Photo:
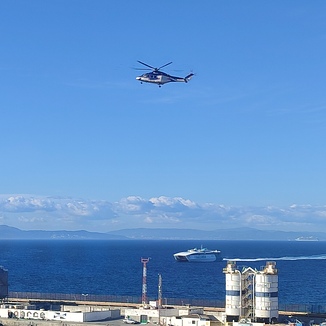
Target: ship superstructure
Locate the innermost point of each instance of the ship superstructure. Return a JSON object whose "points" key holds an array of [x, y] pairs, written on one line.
{"points": [[201, 255]]}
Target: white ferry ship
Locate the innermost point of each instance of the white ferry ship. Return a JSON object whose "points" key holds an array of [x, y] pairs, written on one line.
{"points": [[201, 255]]}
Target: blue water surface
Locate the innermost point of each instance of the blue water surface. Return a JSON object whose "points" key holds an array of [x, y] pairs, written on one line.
{"points": [[114, 267]]}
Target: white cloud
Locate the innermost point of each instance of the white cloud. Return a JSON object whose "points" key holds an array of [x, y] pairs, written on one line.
{"points": [[52, 213], [31, 219], [21, 203], [177, 202], [133, 205]]}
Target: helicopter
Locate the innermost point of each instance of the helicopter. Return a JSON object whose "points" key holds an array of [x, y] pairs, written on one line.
{"points": [[156, 76]]}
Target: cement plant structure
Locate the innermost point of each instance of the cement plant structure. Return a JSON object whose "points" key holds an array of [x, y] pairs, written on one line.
{"points": [[251, 294]]}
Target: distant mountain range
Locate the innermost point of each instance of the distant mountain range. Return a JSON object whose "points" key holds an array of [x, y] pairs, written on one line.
{"points": [[7, 232]]}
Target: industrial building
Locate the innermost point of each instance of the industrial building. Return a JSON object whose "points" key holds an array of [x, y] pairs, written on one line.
{"points": [[251, 294]]}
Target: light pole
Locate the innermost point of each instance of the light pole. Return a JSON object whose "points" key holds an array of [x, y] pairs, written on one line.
{"points": [[85, 295]]}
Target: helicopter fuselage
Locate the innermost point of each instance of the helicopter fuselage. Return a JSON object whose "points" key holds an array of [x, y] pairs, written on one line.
{"points": [[159, 78]]}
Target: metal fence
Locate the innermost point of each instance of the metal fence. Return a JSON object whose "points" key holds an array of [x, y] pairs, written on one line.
{"points": [[112, 298], [309, 308], [313, 308]]}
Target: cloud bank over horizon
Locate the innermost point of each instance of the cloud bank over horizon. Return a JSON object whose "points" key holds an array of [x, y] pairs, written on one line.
{"points": [[32, 212]]}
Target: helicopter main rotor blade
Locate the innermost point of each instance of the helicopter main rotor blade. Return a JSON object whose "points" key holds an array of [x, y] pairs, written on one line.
{"points": [[164, 65], [142, 69], [145, 64]]}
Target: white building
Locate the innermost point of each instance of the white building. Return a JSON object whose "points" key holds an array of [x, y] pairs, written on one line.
{"points": [[187, 320], [149, 315], [183, 316], [17, 310]]}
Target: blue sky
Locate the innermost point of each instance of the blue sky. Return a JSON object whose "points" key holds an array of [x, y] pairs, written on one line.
{"points": [[81, 138]]}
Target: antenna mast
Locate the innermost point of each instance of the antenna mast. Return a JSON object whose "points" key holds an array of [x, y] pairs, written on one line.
{"points": [[144, 290], [159, 291]]}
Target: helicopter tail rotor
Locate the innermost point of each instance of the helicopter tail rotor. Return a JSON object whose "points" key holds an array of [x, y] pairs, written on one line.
{"points": [[187, 78]]}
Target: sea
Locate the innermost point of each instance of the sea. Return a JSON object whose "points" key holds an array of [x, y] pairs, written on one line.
{"points": [[114, 267]]}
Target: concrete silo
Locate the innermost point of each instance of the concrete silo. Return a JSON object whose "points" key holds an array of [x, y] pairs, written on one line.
{"points": [[266, 294], [233, 292]]}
